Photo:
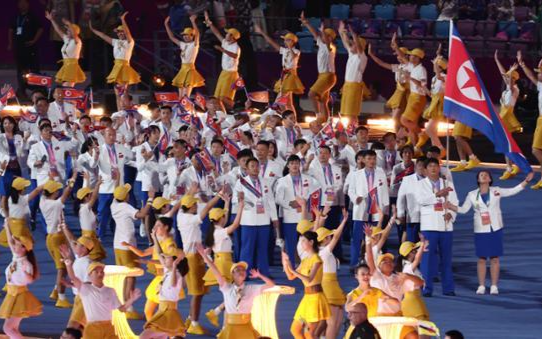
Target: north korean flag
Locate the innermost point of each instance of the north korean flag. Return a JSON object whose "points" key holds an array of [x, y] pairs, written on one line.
{"points": [[200, 100], [466, 100], [166, 97], [39, 80]]}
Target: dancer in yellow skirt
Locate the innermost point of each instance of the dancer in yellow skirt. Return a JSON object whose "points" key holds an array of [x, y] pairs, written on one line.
{"points": [[87, 219], [327, 240], [319, 92], [238, 297], [412, 304], [188, 77], [352, 91], [122, 73], [508, 102], [99, 301], [70, 73], [167, 322], [19, 302], [16, 206], [537, 136], [219, 240], [468, 160], [225, 89], [313, 310]]}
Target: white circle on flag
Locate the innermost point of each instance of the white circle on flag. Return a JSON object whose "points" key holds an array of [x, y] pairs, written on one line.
{"points": [[162, 97], [43, 81], [467, 82], [68, 93]]}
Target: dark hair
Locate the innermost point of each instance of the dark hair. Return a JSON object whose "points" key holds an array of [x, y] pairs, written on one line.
{"points": [[325, 147], [369, 152], [166, 221], [31, 256], [406, 148], [245, 153], [42, 99], [286, 114], [166, 107], [14, 195], [361, 128], [217, 141], [291, 158], [91, 141], [252, 160], [454, 334], [152, 106], [183, 128], [153, 129], [44, 121], [433, 149], [488, 173], [193, 152], [377, 145], [74, 332], [431, 161], [275, 148], [85, 117], [249, 135], [182, 267], [300, 141], [180, 142], [44, 126], [13, 122], [421, 159], [263, 142], [106, 119], [360, 266], [312, 236], [389, 134]]}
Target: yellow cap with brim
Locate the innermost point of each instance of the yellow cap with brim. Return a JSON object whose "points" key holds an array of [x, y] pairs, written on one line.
{"points": [[160, 202], [188, 200], [234, 33], [217, 213], [121, 192], [377, 231], [514, 75], [290, 36], [119, 28], [303, 226], [94, 265], [76, 29], [384, 256], [83, 192], [442, 63], [20, 183], [86, 241], [27, 242], [52, 186], [404, 50], [238, 264], [417, 52], [330, 32], [188, 31], [324, 233], [407, 247]]}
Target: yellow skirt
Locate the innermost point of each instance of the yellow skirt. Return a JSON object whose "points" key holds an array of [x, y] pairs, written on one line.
{"points": [[537, 136], [98, 252], [223, 262], [125, 258], [188, 76], [324, 84], [332, 290], [462, 130], [167, 320], [414, 107], [194, 278], [123, 74], [509, 119], [413, 306], [399, 97], [78, 312], [290, 82], [99, 329], [70, 72], [225, 83], [19, 302], [313, 308], [436, 107], [238, 326], [53, 242], [18, 228], [352, 98]]}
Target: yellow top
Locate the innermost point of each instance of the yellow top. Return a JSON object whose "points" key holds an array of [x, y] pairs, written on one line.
{"points": [[306, 266], [370, 300]]}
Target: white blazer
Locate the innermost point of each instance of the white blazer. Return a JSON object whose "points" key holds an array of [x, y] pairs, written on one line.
{"points": [[382, 163], [272, 171], [359, 187], [431, 219], [173, 172], [397, 170], [317, 172], [347, 154], [39, 152], [251, 217], [148, 168], [19, 148], [285, 193], [124, 156], [84, 164], [475, 201], [407, 205]]}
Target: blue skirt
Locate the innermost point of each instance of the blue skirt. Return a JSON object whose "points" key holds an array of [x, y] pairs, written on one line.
{"points": [[488, 244]]}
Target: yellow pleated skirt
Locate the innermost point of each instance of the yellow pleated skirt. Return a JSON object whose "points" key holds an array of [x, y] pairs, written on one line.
{"points": [[414, 107], [290, 82], [313, 308], [99, 329], [436, 107], [125, 258], [399, 97], [223, 262], [462, 130], [194, 278], [70, 72], [78, 312], [224, 86], [18, 228], [323, 84], [537, 136], [509, 119], [352, 98], [19, 302], [238, 326], [53, 243], [332, 290], [167, 320], [188, 76], [123, 74], [98, 252], [413, 306]]}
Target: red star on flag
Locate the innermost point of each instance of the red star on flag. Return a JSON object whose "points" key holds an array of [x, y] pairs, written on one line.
{"points": [[472, 82]]}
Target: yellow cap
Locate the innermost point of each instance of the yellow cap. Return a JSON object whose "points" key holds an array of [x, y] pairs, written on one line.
{"points": [[234, 33], [384, 256], [303, 226], [290, 36], [238, 264], [83, 192], [160, 202], [216, 213], [119, 28], [20, 183], [121, 192], [76, 29], [408, 247], [404, 50], [26, 242], [330, 32], [188, 200], [324, 233], [514, 75], [417, 52], [170, 251], [362, 42], [188, 31], [93, 265], [442, 63], [377, 231], [52, 186], [86, 241]]}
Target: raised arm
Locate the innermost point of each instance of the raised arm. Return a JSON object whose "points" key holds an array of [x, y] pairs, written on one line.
{"points": [[68, 23], [337, 236], [369, 250], [134, 295], [526, 69], [69, 267], [35, 193], [419, 254], [271, 42], [193, 18], [219, 277], [9, 236], [68, 234], [215, 30], [387, 230], [103, 36], [378, 61], [125, 27], [356, 45], [255, 274], [211, 204], [95, 193], [56, 27], [312, 30], [69, 188], [170, 32], [505, 77], [237, 221]]}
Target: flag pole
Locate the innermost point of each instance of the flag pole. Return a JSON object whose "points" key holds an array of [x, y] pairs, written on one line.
{"points": [[447, 119]]}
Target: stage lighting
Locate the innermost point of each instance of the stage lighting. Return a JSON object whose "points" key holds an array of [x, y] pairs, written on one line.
{"points": [[158, 80]]}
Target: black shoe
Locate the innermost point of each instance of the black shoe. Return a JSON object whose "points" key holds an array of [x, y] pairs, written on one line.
{"points": [[427, 294], [449, 294]]}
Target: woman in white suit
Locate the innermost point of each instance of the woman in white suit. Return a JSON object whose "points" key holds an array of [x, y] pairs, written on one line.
{"points": [[488, 224], [11, 152]]}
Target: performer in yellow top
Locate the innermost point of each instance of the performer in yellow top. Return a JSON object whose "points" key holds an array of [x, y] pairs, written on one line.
{"points": [[188, 77], [122, 73], [319, 92], [412, 304], [87, 218], [313, 310], [70, 73]]}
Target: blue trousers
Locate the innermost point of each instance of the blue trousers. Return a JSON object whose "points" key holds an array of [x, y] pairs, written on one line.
{"points": [[104, 214], [412, 232], [439, 243], [290, 236], [137, 194], [333, 220], [7, 179], [130, 174], [34, 206], [254, 241], [236, 237], [355, 245]]}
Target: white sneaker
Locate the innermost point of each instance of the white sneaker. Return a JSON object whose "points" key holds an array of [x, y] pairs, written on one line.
{"points": [[494, 290], [481, 290]]}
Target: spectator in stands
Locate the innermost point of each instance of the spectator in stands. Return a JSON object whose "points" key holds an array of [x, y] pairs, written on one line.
{"points": [[178, 13], [448, 9], [500, 10], [471, 9], [454, 334]]}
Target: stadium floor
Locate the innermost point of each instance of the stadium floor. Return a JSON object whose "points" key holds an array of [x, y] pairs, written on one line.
{"points": [[516, 313]]}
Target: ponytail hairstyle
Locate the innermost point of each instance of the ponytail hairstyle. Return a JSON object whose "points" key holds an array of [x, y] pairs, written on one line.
{"points": [[312, 236], [209, 240], [182, 266], [399, 263], [14, 195], [31, 256]]}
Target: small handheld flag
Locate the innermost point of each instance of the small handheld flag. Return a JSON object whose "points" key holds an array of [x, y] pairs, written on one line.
{"points": [[166, 97], [39, 80]]}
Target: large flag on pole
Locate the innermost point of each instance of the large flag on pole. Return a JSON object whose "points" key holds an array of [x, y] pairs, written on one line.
{"points": [[466, 100]]}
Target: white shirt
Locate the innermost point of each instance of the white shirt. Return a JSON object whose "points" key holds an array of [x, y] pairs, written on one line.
{"points": [[431, 210], [510, 96], [228, 63], [331, 184], [108, 164], [325, 57], [87, 218], [189, 52], [407, 205], [71, 48], [124, 215], [290, 57], [98, 303], [390, 285], [539, 88], [223, 243], [258, 211], [20, 210], [16, 271], [329, 260], [80, 269], [437, 85], [122, 49], [51, 211], [355, 67], [168, 291], [408, 285], [419, 73], [189, 227], [399, 71], [248, 293]]}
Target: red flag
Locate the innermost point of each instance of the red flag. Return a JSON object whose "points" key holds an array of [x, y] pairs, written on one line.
{"points": [[200, 101], [314, 202], [163, 143], [10, 93], [39, 80], [327, 131], [205, 160], [284, 100], [351, 128], [187, 104], [72, 94], [213, 125], [92, 128], [164, 97], [259, 96], [239, 83], [29, 116], [231, 147]]}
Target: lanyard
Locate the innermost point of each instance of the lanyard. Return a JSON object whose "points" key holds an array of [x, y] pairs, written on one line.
{"points": [[112, 154], [291, 135], [21, 19], [50, 152], [435, 185], [478, 198], [12, 149], [263, 168], [216, 160], [328, 174], [370, 179], [297, 184]]}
